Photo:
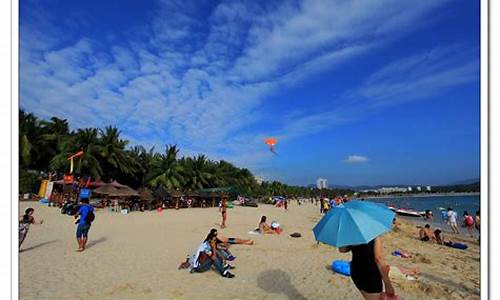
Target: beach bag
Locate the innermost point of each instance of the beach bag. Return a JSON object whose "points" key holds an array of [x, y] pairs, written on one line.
{"points": [[90, 217]]}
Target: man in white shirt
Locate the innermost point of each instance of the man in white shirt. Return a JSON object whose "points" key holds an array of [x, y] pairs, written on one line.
{"points": [[452, 220]]}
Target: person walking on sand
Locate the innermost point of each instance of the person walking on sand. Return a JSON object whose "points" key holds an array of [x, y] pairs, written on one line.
{"points": [[24, 224], [452, 220], [369, 270], [86, 214], [223, 209]]}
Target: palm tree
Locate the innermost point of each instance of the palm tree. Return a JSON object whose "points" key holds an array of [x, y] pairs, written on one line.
{"points": [[196, 172], [55, 132], [86, 140], [165, 170], [31, 144], [112, 154], [143, 161]]}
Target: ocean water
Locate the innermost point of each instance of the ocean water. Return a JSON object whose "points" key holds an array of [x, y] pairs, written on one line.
{"points": [[471, 204]]}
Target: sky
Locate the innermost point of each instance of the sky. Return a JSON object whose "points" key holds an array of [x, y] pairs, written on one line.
{"points": [[357, 92]]}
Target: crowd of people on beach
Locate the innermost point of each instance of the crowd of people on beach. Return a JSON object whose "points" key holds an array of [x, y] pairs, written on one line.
{"points": [[325, 204], [369, 270]]}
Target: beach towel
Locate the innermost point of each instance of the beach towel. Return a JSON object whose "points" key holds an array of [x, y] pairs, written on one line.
{"points": [[402, 254], [194, 258], [255, 231]]}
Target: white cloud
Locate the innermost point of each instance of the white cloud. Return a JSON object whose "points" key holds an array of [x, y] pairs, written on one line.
{"points": [[355, 159], [200, 85]]}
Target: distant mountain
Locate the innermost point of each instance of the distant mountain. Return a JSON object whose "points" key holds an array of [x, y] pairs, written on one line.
{"points": [[374, 187], [467, 181]]}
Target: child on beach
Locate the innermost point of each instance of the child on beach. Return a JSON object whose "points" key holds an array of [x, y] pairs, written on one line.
{"points": [[24, 224]]}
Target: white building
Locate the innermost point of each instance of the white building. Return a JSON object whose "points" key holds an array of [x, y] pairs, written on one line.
{"points": [[419, 188], [321, 183], [428, 188], [387, 190], [409, 189], [259, 179]]}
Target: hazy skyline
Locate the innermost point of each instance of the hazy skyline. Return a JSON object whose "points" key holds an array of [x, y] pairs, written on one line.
{"points": [[365, 92]]}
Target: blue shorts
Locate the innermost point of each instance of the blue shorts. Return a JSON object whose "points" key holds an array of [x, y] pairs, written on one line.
{"points": [[82, 230], [231, 240]]}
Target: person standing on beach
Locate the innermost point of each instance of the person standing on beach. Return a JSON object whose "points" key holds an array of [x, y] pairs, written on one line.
{"points": [[452, 220], [224, 212], [86, 214], [369, 269], [469, 222], [286, 204], [24, 224]]}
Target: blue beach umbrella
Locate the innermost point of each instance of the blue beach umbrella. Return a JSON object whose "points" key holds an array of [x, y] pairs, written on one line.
{"points": [[357, 222]]}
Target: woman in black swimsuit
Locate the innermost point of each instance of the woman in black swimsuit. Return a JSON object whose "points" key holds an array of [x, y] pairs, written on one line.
{"points": [[369, 270]]}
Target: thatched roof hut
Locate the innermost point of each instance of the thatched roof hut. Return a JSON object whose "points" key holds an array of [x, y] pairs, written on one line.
{"points": [[116, 184], [127, 191], [108, 190], [146, 195], [193, 194], [175, 193]]}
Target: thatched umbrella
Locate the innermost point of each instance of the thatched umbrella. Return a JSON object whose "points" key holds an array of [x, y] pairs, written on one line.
{"points": [[127, 191], [193, 194], [175, 194], [146, 195], [107, 190], [116, 184], [214, 196], [97, 183]]}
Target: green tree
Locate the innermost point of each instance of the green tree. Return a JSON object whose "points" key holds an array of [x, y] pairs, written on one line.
{"points": [[166, 170]]}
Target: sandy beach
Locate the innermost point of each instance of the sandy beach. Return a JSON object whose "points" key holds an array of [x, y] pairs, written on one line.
{"points": [[136, 256]]}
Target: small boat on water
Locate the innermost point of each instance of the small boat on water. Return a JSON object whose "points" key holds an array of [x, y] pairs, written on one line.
{"points": [[409, 212]]}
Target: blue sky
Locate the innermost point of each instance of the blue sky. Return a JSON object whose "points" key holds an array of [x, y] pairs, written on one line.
{"points": [[357, 92]]}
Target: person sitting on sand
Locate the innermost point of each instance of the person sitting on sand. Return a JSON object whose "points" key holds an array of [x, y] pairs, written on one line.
{"points": [[264, 228], [426, 233], [222, 248], [206, 256], [439, 238]]}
